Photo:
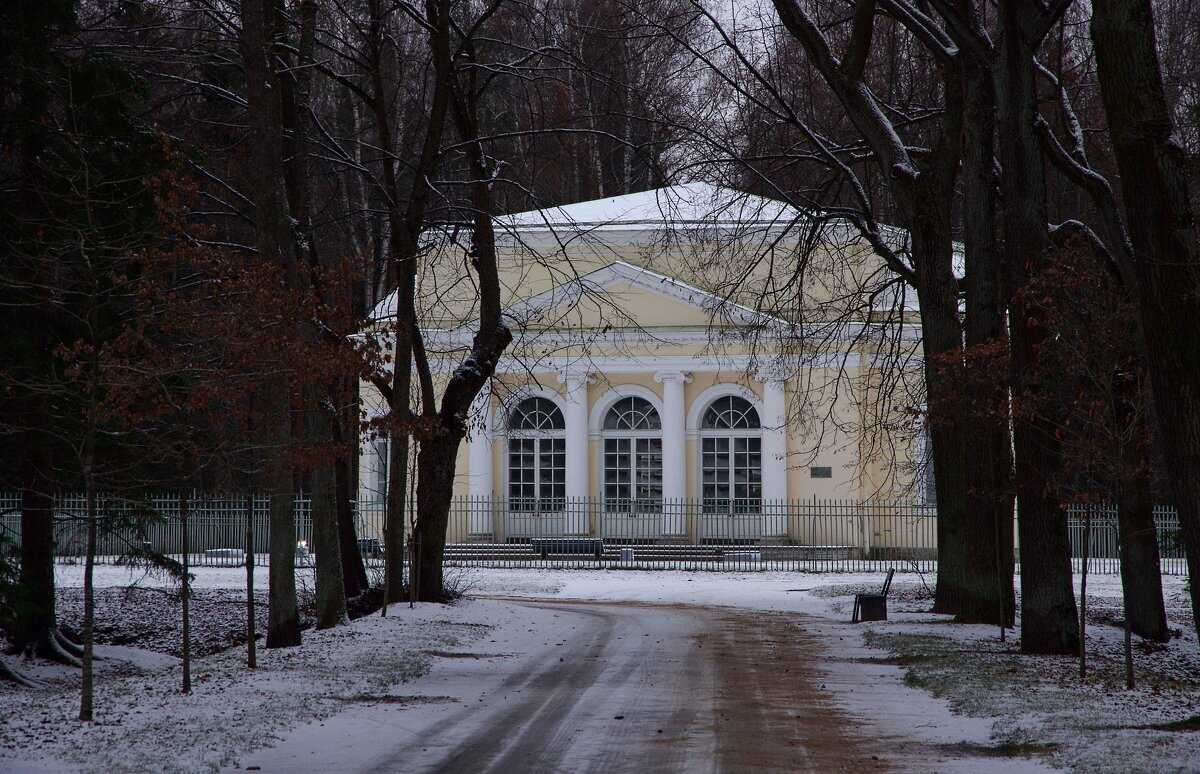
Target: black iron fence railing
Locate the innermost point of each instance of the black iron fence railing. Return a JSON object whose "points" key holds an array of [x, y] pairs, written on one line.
{"points": [[803, 535]]}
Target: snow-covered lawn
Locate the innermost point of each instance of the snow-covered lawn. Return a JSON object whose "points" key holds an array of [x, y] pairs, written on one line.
{"points": [[912, 677]]}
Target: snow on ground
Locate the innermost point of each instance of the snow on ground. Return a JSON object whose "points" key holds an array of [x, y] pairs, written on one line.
{"points": [[910, 677], [1025, 705], [143, 723]]}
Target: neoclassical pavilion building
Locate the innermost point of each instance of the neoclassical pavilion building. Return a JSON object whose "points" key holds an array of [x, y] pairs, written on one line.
{"points": [[672, 378]]}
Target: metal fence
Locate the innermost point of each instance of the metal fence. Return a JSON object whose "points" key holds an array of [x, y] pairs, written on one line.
{"points": [[801, 535], [1104, 544]]}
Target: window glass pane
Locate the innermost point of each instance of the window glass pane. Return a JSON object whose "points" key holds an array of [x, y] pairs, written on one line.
{"points": [[633, 472], [536, 414], [632, 413], [730, 413]]}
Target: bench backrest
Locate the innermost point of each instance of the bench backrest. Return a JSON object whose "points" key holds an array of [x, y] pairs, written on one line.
{"points": [[887, 583]]}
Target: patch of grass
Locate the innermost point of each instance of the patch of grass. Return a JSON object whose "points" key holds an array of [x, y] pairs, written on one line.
{"points": [[1039, 707], [383, 698], [903, 660], [459, 654], [1005, 749], [1187, 724]]}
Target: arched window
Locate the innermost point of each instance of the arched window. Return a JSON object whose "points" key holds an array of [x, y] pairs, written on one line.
{"points": [[633, 457], [731, 456], [730, 413], [537, 456]]}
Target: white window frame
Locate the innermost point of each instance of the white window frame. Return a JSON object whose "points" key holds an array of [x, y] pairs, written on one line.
{"points": [[633, 504], [540, 504], [748, 505]]}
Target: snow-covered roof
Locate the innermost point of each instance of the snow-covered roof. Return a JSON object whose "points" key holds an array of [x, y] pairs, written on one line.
{"points": [[618, 220], [701, 204]]}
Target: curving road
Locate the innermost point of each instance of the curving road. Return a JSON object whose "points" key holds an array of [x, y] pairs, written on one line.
{"points": [[644, 688], [608, 687]]}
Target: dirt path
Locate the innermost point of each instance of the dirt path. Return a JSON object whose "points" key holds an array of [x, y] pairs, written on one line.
{"points": [[622, 687], [772, 712], [649, 688]]}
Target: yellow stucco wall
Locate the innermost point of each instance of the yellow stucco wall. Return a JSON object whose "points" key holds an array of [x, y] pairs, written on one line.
{"points": [[825, 427]]}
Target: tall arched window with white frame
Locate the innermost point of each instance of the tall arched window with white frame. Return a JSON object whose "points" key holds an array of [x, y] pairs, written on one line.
{"points": [[537, 456], [633, 464], [731, 457]]}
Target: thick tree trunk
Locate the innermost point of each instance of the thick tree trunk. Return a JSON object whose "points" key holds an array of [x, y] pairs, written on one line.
{"points": [[276, 239], [185, 592], [330, 592], [251, 634], [89, 606], [394, 517], [345, 488], [1049, 621], [435, 487], [354, 572], [942, 340], [37, 632], [923, 196], [988, 594], [37, 553], [1141, 573], [283, 616], [1162, 229]]}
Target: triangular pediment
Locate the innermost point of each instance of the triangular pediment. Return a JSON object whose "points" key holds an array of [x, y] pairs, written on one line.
{"points": [[624, 296]]}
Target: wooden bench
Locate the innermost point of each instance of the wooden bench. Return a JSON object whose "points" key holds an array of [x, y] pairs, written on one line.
{"points": [[873, 607], [584, 546]]}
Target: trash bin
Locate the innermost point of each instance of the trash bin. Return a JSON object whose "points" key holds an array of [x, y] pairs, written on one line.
{"points": [[626, 554]]}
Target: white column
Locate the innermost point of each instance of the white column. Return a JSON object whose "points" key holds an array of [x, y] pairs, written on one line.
{"points": [[480, 463], [674, 452], [774, 456], [578, 467]]}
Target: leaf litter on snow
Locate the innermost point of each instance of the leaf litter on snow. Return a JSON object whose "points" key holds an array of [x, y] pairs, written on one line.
{"points": [[144, 723]]}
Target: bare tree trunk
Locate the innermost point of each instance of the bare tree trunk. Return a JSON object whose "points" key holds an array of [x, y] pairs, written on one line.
{"points": [[87, 460], [89, 602], [1083, 579], [394, 516], [185, 590], [38, 632], [922, 190], [275, 236], [435, 487], [1049, 620], [330, 593], [988, 594], [942, 339], [1141, 572], [354, 572], [439, 450], [1162, 229], [283, 615], [251, 635]]}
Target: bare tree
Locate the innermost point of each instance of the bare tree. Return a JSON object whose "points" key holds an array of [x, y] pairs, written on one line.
{"points": [[1166, 250]]}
